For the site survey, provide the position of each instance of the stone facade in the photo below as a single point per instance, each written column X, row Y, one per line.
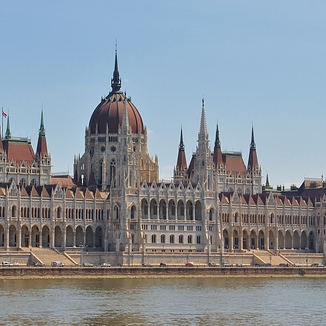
column 116, row 204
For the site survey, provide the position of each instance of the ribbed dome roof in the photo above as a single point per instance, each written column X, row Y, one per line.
column 110, row 111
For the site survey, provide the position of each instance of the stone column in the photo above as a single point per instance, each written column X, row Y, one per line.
column 74, row 239
column 241, row 240
column 41, row 241
column 231, row 241
column 7, row 238
column 52, row 238
column 19, row 238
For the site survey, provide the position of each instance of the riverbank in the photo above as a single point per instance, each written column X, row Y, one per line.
column 157, row 272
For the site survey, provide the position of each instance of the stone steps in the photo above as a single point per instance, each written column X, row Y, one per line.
column 47, row 256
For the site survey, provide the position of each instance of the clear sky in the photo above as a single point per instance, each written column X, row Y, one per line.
column 259, row 63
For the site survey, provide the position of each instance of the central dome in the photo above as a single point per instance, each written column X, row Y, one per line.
column 108, row 115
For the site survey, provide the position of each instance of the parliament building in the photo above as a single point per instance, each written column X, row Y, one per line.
column 114, row 203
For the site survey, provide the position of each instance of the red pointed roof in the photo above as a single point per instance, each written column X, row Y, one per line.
column 234, row 163
column 252, row 160
column 19, row 150
column 42, row 148
column 64, row 181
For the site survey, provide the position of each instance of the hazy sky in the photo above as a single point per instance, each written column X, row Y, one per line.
column 259, row 63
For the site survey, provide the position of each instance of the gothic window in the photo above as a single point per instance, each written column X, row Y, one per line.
column 198, row 213
column 58, row 212
column 211, row 211
column 153, row 238
column 153, row 209
column 144, row 208
column 171, row 238
column 162, row 209
column 171, row 209
column 22, row 182
column 132, row 212
column 162, row 238
column 189, row 238
column 189, row 215
column 181, row 209
column 180, row 238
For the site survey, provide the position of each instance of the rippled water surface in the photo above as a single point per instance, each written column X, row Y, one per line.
column 197, row 301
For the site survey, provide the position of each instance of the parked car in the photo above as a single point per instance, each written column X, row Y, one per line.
column 297, row 265
column 106, row 265
column 211, row 264
column 15, row 263
column 57, row 264
column 317, row 265
column 147, row 265
column 239, row 265
column 88, row 264
column 190, row 264
column 227, row 264
column 38, row 264
column 6, row 264
column 283, row 265
column 162, row 264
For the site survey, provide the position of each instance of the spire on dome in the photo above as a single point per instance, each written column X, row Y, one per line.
column 41, row 143
column 253, row 160
column 217, row 158
column 116, row 80
column 8, row 133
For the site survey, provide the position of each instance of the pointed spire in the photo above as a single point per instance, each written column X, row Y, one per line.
column 8, row 133
column 252, row 144
column 41, row 143
column 203, row 127
column 181, row 160
column 267, row 182
column 217, row 138
column 116, row 81
column 42, row 130
column 217, row 158
column 253, row 160
column 181, row 145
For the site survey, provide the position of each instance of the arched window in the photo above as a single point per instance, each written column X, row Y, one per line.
column 132, row 212
column 59, row 212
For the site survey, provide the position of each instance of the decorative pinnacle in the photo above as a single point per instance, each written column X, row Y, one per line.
column 116, row 81
column 42, row 130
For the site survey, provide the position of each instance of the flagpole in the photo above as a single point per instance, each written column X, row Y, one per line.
column 2, row 123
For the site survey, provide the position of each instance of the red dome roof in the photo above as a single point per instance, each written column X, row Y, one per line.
column 110, row 113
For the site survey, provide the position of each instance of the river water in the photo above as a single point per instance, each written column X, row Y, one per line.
column 164, row 301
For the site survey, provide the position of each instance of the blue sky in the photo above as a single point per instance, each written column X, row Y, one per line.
column 259, row 63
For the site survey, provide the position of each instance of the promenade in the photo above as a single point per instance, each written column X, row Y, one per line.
column 159, row 272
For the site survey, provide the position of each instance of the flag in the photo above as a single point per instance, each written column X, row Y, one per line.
column 4, row 114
